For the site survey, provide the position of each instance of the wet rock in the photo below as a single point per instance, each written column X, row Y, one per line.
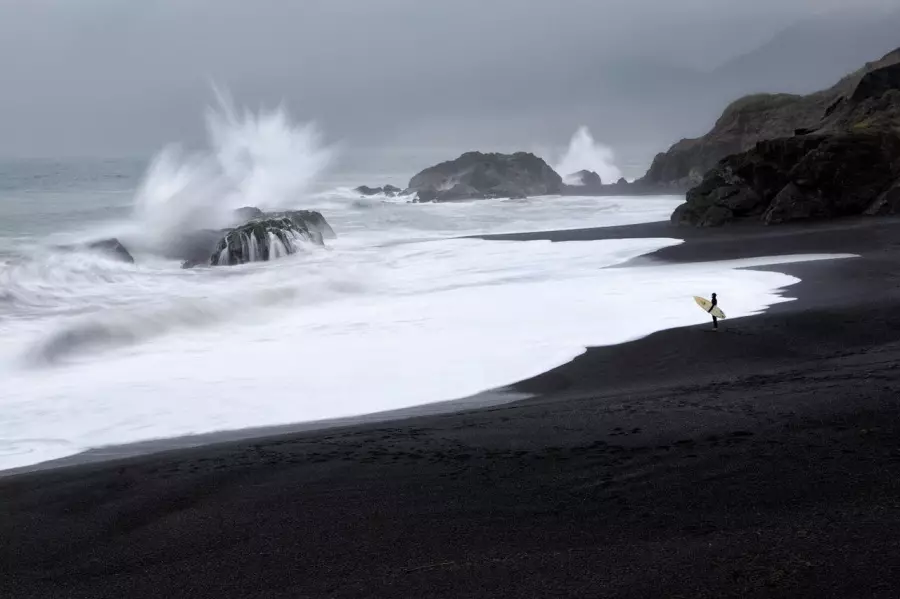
column 113, row 248
column 476, row 175
column 387, row 190
column 274, row 236
column 799, row 178
column 585, row 178
column 259, row 241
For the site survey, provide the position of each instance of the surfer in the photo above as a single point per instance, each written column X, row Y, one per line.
column 714, row 303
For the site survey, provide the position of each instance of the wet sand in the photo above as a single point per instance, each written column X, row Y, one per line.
column 761, row 461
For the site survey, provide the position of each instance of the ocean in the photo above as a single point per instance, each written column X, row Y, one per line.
column 403, row 308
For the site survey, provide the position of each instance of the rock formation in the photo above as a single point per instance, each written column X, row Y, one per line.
column 767, row 116
column 113, row 248
column 846, row 162
column 270, row 236
column 259, row 240
column 797, row 178
column 387, row 190
column 584, row 178
column 475, row 175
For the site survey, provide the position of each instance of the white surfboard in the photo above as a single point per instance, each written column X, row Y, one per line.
column 708, row 307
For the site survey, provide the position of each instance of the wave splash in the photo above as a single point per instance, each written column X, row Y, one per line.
column 260, row 159
column 584, row 153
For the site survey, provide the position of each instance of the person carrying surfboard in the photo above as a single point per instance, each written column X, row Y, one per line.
column 712, row 308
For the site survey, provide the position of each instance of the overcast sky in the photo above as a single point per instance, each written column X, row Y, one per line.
column 123, row 77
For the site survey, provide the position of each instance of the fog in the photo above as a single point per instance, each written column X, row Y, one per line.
column 396, row 82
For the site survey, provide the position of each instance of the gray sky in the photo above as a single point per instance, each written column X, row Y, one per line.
column 388, row 77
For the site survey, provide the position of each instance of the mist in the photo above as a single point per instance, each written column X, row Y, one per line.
column 401, row 83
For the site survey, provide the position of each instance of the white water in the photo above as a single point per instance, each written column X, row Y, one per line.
column 261, row 160
column 398, row 311
column 584, row 153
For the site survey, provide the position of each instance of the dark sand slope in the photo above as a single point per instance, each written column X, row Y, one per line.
column 760, row 462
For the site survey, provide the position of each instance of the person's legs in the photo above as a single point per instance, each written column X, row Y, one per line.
column 715, row 323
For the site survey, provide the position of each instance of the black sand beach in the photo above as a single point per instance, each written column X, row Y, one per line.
column 763, row 461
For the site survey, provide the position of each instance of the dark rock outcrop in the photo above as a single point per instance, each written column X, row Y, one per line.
column 261, row 240
column 113, row 248
column 762, row 117
column 388, row 190
column 273, row 235
column 845, row 163
column 799, row 178
column 475, row 175
column 742, row 124
column 619, row 188
column 586, row 179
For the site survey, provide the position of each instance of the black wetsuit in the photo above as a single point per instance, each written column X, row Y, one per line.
column 715, row 302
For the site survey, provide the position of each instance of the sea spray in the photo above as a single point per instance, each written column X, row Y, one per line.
column 260, row 159
column 584, row 153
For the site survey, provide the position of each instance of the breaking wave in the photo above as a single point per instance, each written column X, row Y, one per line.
column 263, row 160
column 584, row 153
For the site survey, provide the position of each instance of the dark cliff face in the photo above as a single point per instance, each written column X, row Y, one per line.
column 744, row 122
column 873, row 105
column 798, row 178
column 845, row 163
column 761, row 117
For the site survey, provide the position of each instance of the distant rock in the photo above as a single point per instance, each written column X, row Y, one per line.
column 113, row 248
column 476, row 175
column 584, row 178
column 620, row 188
column 799, row 178
column 594, row 186
column 388, row 190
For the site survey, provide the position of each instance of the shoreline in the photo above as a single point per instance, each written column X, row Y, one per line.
column 486, row 399
column 761, row 461
column 138, row 449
